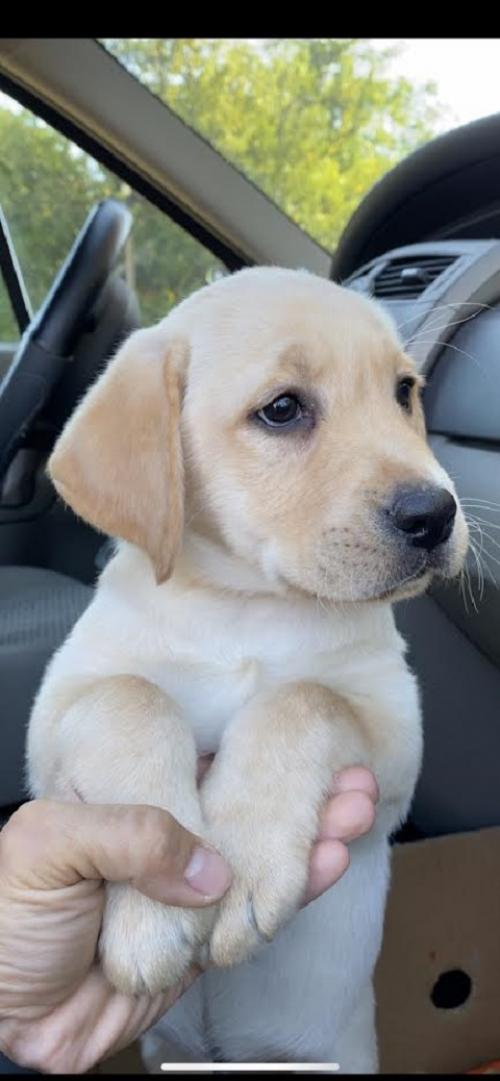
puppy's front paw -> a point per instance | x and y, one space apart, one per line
147 947
270 871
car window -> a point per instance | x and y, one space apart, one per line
9 330
313 122
47 188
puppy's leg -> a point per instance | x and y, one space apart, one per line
262 800
356 1049
122 740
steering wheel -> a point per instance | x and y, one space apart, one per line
51 337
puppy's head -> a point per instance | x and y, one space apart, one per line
300 435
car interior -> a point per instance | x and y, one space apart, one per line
425 242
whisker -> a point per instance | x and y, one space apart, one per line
491 539
480 574
483 521
492 575
462 589
481 504
457 349
455 304
469 587
489 555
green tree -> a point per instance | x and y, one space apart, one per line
313 122
47 188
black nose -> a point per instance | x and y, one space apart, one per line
426 515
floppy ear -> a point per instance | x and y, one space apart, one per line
118 461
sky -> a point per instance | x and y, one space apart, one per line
466 71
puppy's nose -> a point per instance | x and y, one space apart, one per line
425 515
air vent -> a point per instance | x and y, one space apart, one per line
408 277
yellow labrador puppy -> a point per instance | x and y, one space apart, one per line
261 456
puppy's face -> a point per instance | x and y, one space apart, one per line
306 446
301 441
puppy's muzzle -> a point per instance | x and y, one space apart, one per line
423 517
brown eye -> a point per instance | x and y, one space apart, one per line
404 388
282 412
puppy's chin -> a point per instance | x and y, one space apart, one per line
408 588
409 574
441 564
385 572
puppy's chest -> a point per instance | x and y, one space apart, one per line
211 681
211 685
209 694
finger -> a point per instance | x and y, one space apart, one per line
359 778
148 1010
50 845
329 861
108 1021
347 816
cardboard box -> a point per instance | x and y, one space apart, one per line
438 976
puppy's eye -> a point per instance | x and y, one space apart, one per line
282 412
404 388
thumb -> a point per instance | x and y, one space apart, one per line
50 845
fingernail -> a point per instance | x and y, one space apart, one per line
207 872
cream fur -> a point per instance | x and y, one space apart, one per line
272 642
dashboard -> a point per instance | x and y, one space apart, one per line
425 242
445 300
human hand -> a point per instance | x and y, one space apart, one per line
57 1011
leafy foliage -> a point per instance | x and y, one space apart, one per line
313 122
47 188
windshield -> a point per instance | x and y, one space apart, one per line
316 122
